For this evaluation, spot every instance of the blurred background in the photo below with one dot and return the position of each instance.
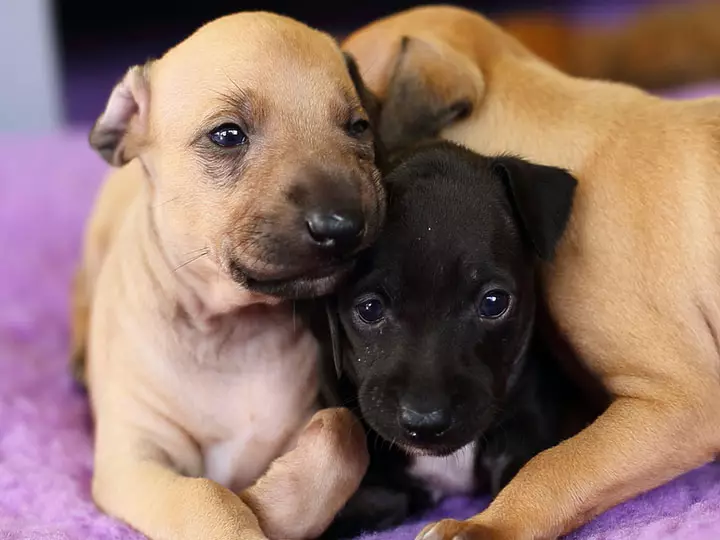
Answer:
(60, 58)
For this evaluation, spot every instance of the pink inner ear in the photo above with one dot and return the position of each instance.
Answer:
(120, 107)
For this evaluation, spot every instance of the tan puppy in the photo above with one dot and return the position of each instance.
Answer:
(662, 45)
(636, 283)
(247, 176)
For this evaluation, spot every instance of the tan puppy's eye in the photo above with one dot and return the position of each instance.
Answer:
(228, 136)
(358, 127)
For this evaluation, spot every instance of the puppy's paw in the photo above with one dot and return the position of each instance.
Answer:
(299, 496)
(342, 434)
(451, 529)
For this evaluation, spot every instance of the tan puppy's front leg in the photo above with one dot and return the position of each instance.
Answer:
(634, 446)
(135, 482)
(303, 490)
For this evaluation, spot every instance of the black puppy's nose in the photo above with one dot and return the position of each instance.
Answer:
(422, 423)
(336, 230)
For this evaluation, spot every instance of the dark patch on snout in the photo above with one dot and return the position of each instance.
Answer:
(308, 240)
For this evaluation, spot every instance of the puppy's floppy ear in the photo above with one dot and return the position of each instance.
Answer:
(542, 197)
(119, 130)
(369, 101)
(371, 104)
(430, 87)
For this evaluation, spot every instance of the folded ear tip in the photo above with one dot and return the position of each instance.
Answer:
(127, 100)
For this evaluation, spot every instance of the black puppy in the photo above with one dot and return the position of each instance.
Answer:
(435, 343)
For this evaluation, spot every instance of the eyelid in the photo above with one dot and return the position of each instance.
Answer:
(215, 121)
(364, 297)
(503, 284)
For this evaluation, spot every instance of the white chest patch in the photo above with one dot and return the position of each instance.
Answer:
(449, 475)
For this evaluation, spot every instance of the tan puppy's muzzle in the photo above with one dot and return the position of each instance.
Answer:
(308, 236)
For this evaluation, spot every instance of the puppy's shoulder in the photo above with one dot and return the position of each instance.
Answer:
(115, 196)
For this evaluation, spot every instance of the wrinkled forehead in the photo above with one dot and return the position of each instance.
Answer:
(298, 73)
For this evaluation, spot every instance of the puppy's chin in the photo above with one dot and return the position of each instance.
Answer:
(441, 448)
(310, 284)
(431, 451)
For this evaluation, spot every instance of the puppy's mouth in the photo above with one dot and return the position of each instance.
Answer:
(309, 284)
(434, 450)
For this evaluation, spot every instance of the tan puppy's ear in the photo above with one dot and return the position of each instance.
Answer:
(431, 87)
(369, 101)
(371, 104)
(118, 131)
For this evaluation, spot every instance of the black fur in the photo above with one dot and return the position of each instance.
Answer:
(458, 226)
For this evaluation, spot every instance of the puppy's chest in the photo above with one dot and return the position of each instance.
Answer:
(448, 475)
(247, 392)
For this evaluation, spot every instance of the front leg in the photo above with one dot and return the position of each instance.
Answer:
(300, 494)
(134, 481)
(636, 445)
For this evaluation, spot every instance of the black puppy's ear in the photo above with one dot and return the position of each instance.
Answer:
(429, 89)
(334, 327)
(542, 197)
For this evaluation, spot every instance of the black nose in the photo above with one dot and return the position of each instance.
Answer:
(336, 230)
(424, 423)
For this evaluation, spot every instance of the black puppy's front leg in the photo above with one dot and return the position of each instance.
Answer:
(507, 449)
(372, 508)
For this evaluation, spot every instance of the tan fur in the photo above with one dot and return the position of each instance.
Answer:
(635, 286)
(660, 46)
(201, 390)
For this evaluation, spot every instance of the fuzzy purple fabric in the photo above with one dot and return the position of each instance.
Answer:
(47, 185)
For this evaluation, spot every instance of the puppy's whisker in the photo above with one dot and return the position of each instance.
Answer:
(191, 260)
(193, 251)
(158, 205)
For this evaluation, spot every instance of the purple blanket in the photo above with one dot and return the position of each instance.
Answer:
(46, 187)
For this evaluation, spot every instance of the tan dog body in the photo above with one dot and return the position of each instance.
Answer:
(663, 44)
(203, 385)
(635, 286)
(214, 383)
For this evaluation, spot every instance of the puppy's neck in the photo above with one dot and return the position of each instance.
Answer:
(189, 282)
(535, 111)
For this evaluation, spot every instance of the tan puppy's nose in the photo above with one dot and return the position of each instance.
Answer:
(339, 231)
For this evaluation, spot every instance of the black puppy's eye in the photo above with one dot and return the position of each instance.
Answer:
(357, 128)
(494, 304)
(370, 310)
(228, 136)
